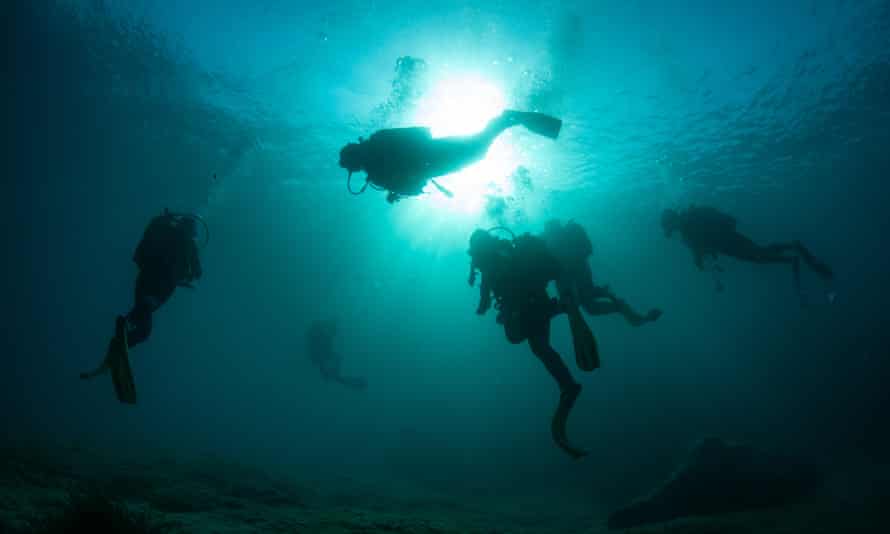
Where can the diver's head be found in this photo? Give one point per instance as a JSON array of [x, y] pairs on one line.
[[352, 156], [481, 243], [670, 221]]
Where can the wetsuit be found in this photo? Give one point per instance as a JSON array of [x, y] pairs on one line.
[[709, 232], [518, 279], [167, 257]]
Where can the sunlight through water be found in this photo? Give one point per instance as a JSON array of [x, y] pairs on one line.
[[463, 106]]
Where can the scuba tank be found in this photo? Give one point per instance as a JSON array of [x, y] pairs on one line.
[[155, 246], [528, 251]]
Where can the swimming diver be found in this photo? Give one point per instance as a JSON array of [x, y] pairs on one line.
[[320, 347], [710, 232], [167, 258], [517, 273], [571, 246], [403, 160]]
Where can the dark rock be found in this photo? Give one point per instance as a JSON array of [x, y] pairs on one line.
[[722, 478], [97, 513]]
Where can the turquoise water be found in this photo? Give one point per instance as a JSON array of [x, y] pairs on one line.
[[774, 111]]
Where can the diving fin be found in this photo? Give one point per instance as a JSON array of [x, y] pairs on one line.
[[540, 123], [586, 350], [558, 424], [118, 360]]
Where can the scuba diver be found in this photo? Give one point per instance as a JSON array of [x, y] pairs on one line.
[[320, 346], [167, 257], [709, 232], [403, 160], [517, 273], [571, 246]]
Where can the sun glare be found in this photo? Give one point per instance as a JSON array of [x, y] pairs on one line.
[[460, 106], [463, 106]]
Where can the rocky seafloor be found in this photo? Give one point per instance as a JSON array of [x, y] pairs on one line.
[[74, 490]]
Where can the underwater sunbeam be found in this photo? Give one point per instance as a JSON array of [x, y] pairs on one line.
[[463, 105]]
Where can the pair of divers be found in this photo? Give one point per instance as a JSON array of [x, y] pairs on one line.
[[515, 274], [709, 233], [167, 257]]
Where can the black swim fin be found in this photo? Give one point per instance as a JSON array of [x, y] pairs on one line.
[[558, 424], [541, 124], [118, 360], [586, 351], [821, 269]]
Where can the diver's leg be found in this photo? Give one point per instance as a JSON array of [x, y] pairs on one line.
[[552, 361], [139, 322], [743, 248], [589, 295], [330, 370], [450, 154], [774, 253], [599, 301], [353, 382], [600, 307], [101, 370], [496, 127], [569, 389], [633, 317], [780, 248], [823, 270], [537, 123], [152, 291], [596, 300]]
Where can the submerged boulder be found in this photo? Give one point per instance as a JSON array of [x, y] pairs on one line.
[[719, 478]]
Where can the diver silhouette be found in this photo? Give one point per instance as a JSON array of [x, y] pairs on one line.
[[403, 161], [709, 232]]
